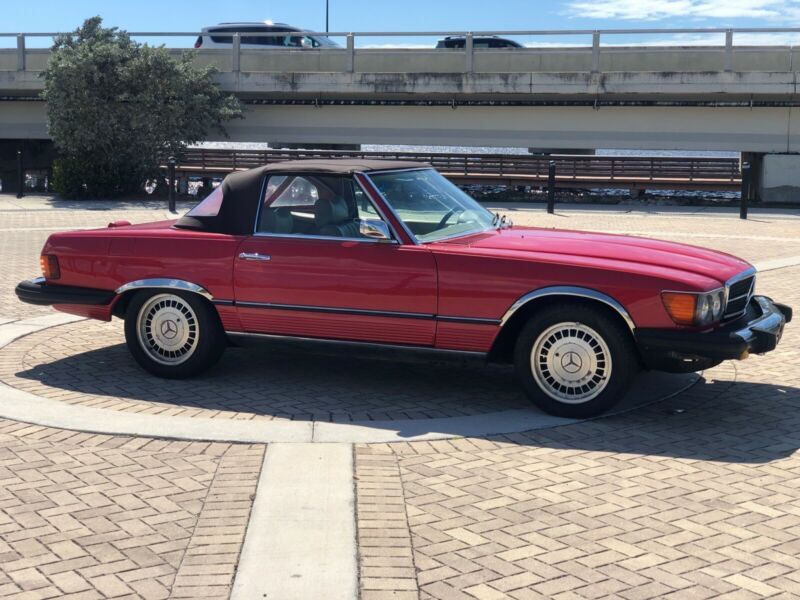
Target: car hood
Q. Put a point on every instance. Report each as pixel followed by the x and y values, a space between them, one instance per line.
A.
pixel 542 244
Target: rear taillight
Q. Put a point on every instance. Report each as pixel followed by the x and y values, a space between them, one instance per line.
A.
pixel 49 264
pixel 199 42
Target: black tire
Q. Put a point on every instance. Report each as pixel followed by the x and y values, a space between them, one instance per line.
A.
pixel 574 366
pixel 193 319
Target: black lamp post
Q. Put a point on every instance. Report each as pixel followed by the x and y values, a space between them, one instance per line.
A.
pixel 551 187
pixel 327 14
pixel 171 162
pixel 20 175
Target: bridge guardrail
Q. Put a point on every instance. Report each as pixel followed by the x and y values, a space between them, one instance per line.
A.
pixel 595 49
pixel 694 172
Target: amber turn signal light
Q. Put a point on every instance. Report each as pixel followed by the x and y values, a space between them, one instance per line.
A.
pixel 50 268
pixel 681 307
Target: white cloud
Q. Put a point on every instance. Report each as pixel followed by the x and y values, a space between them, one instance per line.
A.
pixel 663 9
pixel 677 40
pixel 710 39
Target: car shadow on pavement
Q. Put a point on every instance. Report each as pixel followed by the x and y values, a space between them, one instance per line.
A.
pixel 282 381
pixel 714 420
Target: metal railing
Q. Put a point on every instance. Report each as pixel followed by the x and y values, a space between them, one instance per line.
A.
pixel 596 36
pixel 572 170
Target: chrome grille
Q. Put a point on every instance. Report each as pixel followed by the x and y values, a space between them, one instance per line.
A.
pixel 740 290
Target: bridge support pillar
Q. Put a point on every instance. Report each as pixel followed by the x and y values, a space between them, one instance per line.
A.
pixel 779 178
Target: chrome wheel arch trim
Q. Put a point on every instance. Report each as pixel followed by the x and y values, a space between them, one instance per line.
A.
pixel 165 284
pixel 567 290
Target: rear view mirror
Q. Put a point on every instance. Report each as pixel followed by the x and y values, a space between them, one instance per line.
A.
pixel 375 229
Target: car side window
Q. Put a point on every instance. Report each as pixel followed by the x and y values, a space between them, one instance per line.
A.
pixel 246 39
pixel 315 206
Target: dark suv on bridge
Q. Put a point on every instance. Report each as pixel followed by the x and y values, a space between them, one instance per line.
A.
pixel 490 41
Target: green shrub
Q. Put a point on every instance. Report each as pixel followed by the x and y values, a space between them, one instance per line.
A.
pixel 74 177
pixel 116 108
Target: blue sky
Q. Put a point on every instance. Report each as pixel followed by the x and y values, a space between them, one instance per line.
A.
pixel 410 15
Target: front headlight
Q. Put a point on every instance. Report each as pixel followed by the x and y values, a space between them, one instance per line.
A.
pixel 696 309
pixel 717 304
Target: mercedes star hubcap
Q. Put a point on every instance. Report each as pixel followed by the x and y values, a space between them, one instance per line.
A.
pixel 167 329
pixel 571 362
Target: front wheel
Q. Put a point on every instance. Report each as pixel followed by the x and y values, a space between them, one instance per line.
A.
pixel 574 360
pixel 173 334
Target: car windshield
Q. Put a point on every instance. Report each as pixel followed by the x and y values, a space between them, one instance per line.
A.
pixel 430 206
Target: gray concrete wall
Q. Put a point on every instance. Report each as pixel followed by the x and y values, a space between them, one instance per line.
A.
pixel 23 120
pixel 780 178
pixel 666 74
pixel 662 72
pixel 715 85
pixel 566 127
pixel 557 127
pixel 691 59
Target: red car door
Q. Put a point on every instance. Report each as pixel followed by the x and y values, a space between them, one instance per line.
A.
pixel 307 271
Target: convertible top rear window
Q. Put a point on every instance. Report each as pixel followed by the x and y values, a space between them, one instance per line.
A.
pixel 209 207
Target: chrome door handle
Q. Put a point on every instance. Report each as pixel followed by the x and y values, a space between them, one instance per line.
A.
pixel 254 256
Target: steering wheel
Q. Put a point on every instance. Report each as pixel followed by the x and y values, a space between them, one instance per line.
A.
pixel 449 214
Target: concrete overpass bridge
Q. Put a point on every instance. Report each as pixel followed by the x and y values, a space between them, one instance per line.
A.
pixel 701 97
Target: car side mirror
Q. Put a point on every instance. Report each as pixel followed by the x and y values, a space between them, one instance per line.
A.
pixel 375 229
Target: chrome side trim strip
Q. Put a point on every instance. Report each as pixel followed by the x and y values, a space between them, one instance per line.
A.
pixel 358 311
pixel 172 284
pixel 566 290
pixel 472 320
pixel 355 343
pixel 328 309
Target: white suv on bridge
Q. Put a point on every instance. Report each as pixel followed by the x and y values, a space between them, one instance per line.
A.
pixel 221 36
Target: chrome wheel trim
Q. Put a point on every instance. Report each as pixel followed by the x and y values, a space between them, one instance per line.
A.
pixel 167 329
pixel 571 363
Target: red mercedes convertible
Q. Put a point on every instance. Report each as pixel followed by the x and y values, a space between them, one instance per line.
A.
pixel 393 253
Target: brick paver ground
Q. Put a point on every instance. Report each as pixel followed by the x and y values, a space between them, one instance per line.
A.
pixel 656 503
pixel 90 516
pixel 697 497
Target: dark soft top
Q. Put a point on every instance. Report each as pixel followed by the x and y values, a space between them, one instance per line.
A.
pixel 241 190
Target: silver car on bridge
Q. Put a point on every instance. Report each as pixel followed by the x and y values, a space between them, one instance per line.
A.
pixel 221 36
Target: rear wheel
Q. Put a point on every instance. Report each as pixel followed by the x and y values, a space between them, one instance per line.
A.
pixel 173 334
pixel 575 360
